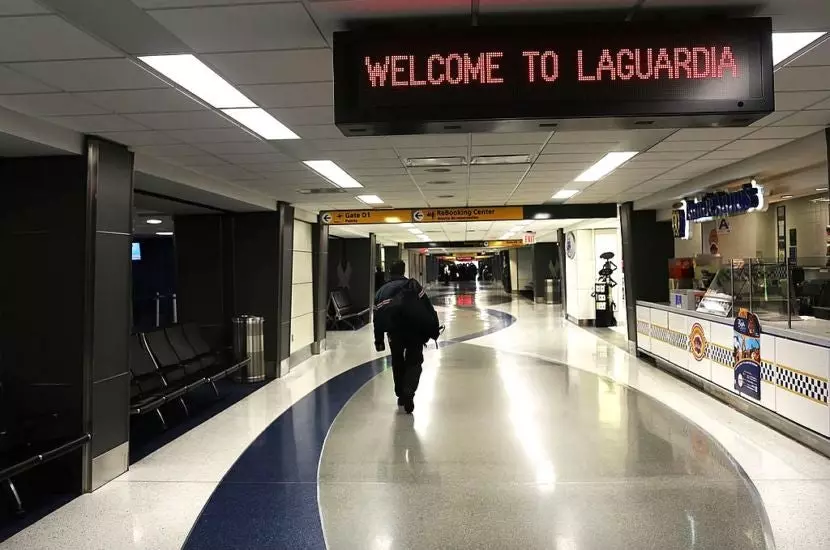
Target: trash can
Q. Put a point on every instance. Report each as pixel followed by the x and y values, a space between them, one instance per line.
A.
pixel 248 341
pixel 549 291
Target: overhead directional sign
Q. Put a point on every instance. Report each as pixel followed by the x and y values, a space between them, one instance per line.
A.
pixel 472 214
pixel 351 217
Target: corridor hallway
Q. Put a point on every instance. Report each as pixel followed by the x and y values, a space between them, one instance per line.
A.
pixel 528 432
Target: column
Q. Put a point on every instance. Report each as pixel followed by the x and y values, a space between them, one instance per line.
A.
pixel 581 274
pixel 373 249
pixel 647 246
pixel 66 228
pixel 320 268
pixel 286 256
pixel 560 239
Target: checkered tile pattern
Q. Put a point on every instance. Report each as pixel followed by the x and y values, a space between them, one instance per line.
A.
pixel 768 371
pixel 803 384
pixel 720 354
pixel 660 333
pixel 679 340
pixel 643 328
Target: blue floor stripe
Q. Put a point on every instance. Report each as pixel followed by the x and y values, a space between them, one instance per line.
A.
pixel 268 499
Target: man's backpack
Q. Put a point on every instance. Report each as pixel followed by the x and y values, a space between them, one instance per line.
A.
pixel 408 312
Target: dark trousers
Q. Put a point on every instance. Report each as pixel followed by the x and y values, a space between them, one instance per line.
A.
pixel 407 358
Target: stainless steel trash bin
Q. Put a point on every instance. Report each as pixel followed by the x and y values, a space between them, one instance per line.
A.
pixel 548 291
pixel 249 341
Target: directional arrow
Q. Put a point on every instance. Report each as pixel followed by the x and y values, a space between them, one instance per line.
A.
pixel 418 216
pixel 326 218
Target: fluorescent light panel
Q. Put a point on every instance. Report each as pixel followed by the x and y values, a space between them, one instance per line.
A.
pixel 371 199
pixel 164 233
pixel 198 79
pixel 154 221
pixel 436 161
pixel 787 44
pixel 261 123
pixel 333 173
pixel 563 194
pixel 605 166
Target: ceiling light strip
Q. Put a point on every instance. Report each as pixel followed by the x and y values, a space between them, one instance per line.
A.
pixel 200 80
pixel 332 172
pixel 605 166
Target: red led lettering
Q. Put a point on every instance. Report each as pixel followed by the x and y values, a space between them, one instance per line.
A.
pixel 472 70
pixel 580 66
pixel 682 60
pixel 434 77
pixel 531 65
pixel 492 65
pixel 606 63
pixel 663 63
pixel 377 72
pixel 454 58
pixel 727 62
pixel 638 60
pixel 625 69
pixel 412 80
pixel 396 69
pixel 701 65
pixel 550 66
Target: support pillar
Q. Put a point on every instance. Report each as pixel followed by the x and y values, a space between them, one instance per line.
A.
pixel 285 256
pixel 320 271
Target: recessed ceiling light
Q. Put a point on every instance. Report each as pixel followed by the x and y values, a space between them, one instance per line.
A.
pixel 198 79
pixel 786 196
pixel 787 44
pixel 501 159
pixel 436 161
pixel 164 233
pixel 606 165
pixel 154 221
pixel 371 199
pixel 392 219
pixel 563 194
pixel 333 173
pixel 821 188
pixel 261 123
pixel 541 216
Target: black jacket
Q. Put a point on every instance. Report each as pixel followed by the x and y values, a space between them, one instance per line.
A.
pixel 389 290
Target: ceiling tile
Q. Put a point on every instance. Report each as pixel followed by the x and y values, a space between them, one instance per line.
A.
pixel 293 66
pixel 430 140
pixel 360 154
pixel 242 148
pixel 432 152
pixel 189 120
pixel 58 104
pixel 822 105
pixel 279 26
pixel 46 37
pixel 683 146
pixel 795 101
pixel 727 155
pixel 588 158
pixel 806 118
pixel 484 150
pixel 781 132
pixel 256 158
pixel 795 79
pixel 304 116
pixel 12 82
pixel 91 74
pixel 772 118
pixel 151 4
pixel 673 155
pixel 199 160
pixel 755 145
pixel 212 135
pixel 319 131
pixel 518 138
pixel 98 123
pixel 579 148
pixel 181 150
pixel 155 100
pixel 146 137
pixel 709 134
pixel 21 7
pixel 308 94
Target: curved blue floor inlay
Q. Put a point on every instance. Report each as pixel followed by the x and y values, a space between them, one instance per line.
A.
pixel 268 499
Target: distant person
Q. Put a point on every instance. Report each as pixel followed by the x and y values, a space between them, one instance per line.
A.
pixel 404 312
pixel 380 278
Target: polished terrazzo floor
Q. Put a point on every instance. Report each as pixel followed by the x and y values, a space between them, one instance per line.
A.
pixel 529 432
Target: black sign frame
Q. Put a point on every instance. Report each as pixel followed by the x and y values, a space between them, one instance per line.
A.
pixel 361 110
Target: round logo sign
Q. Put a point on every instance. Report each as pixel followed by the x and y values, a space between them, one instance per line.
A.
pixel 697 342
pixel 325 217
pixel 570 245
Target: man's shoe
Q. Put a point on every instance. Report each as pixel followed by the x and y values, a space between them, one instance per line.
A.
pixel 400 401
pixel 409 405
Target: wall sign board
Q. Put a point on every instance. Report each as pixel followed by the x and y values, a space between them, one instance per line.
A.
pixel 427 80
pixel 749 198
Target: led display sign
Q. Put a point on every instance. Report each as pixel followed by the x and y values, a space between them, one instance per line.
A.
pixel 749 198
pixel 475 78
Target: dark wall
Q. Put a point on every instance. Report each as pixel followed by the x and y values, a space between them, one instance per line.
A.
pixel 546 266
pixel 154 274
pixel 647 247
pixel 204 272
pixel 391 254
pixel 350 265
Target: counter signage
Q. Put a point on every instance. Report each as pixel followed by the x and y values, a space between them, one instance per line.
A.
pixel 351 217
pixel 747 354
pixel 496 213
pixel 750 198
pixel 391 80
